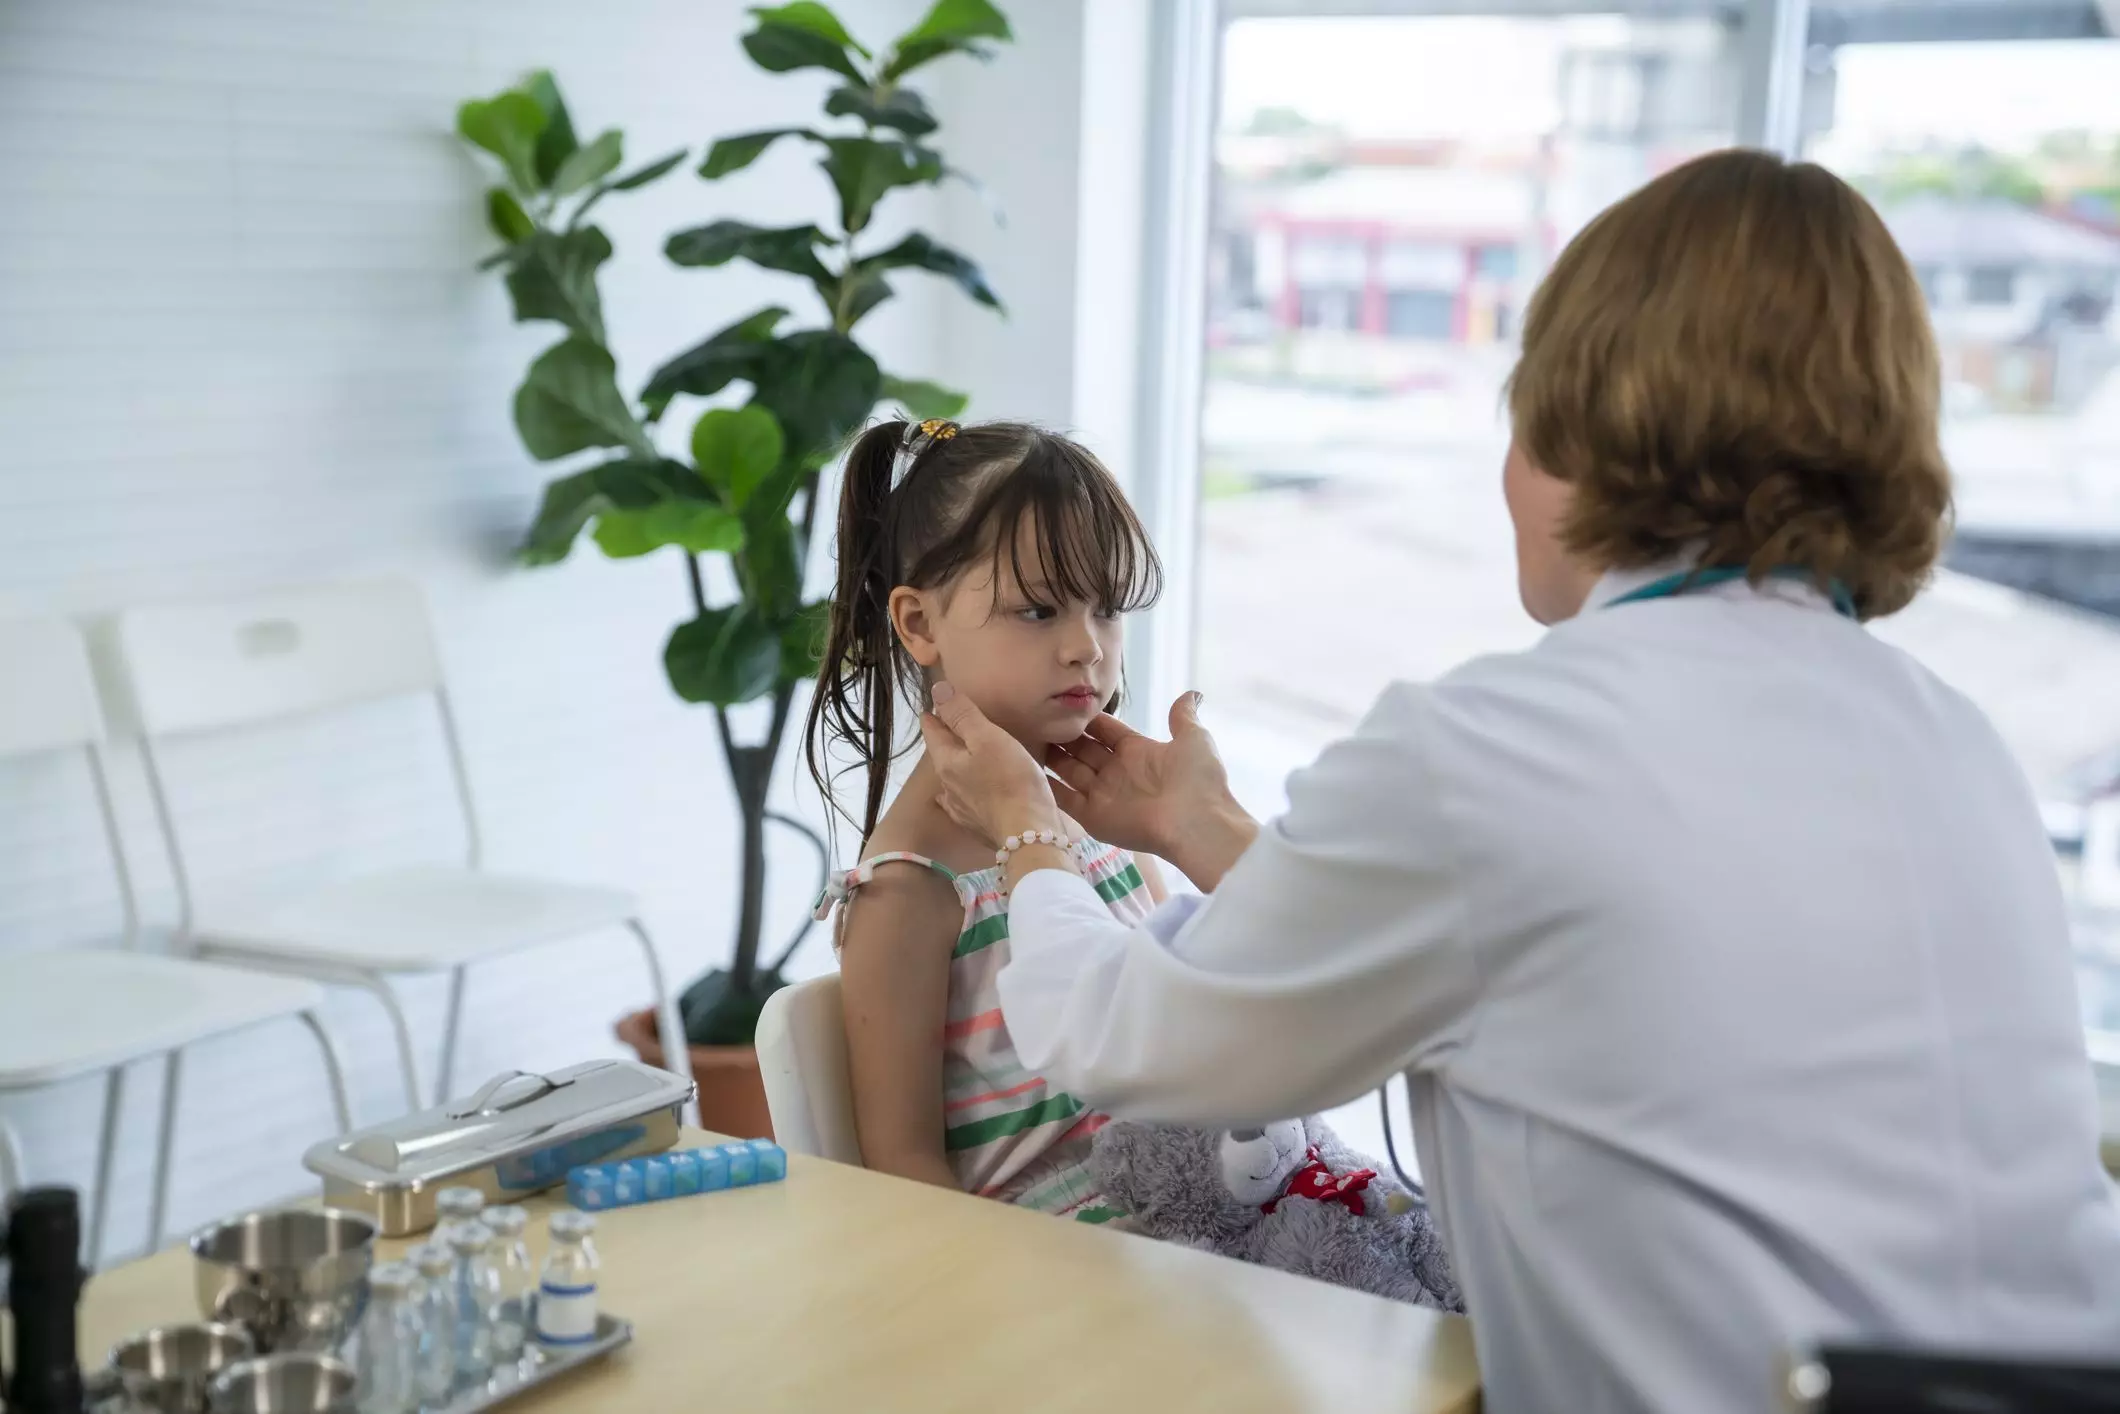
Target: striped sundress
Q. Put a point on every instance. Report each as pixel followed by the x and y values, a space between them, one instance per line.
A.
pixel 1008 1134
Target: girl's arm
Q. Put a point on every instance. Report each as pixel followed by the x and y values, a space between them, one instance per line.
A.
pixel 894 968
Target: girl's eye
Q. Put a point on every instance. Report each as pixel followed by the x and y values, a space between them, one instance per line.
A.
pixel 1108 613
pixel 1035 613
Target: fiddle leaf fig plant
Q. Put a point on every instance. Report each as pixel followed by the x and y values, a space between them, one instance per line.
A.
pixel 740 481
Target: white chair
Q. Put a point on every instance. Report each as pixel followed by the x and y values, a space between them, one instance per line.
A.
pixel 75 1012
pixel 802 1056
pixel 202 668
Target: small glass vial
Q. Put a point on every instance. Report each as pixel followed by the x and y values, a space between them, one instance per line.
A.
pixel 434 1373
pixel 456 1208
pixel 478 1292
pixel 566 1288
pixel 517 1278
pixel 388 1362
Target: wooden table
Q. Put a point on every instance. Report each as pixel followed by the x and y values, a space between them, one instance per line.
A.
pixel 843 1290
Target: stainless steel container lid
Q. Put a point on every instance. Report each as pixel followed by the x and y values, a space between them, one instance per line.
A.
pixel 510 1114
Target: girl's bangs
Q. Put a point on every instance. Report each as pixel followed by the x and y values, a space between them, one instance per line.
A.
pixel 1089 546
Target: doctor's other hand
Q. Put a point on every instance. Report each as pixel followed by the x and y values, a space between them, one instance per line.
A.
pixel 1167 798
pixel 990 784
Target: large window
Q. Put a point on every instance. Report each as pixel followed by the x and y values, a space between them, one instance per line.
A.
pixel 1996 162
pixel 1388 192
pixel 1389 188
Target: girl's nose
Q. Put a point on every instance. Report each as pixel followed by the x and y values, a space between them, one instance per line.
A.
pixel 1081 648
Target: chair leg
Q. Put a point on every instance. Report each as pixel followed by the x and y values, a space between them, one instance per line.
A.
pixel 334 1070
pixel 165 1145
pixel 14 1175
pixel 667 1020
pixel 106 1152
pixel 408 1062
pixel 449 1034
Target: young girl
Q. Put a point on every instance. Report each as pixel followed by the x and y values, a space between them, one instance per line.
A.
pixel 999 558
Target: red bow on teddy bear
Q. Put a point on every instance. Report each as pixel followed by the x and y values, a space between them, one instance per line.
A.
pixel 1320 1184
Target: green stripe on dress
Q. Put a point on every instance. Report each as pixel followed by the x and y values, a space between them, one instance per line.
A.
pixel 981 935
pixel 1099 1214
pixel 985 1131
pixel 1119 885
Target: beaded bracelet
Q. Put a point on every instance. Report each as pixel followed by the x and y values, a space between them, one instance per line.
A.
pixel 1030 837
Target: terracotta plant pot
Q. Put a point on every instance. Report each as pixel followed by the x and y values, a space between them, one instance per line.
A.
pixel 732 1097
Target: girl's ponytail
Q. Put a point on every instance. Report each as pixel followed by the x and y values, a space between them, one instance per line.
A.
pixel 856 698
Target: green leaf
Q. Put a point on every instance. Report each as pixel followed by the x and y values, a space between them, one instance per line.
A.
pixel 923 400
pixel 902 109
pixel 570 401
pixel 568 505
pixel 951 27
pixel 641 176
pixel 808 15
pixel 622 535
pixel 733 154
pixel 627 484
pixel 863 169
pixel 789 248
pixel 770 567
pixel 958 21
pixel 819 385
pixel 554 277
pixel 919 252
pixel 698 526
pixel 707 367
pixel 507 218
pixel 783 48
pixel 589 164
pixel 802 641
pixel 854 296
pixel 735 449
pixel 556 143
pixel 725 656
pixel 636 483
pixel 507 125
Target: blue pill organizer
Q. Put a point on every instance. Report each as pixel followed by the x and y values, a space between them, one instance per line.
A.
pixel 679 1174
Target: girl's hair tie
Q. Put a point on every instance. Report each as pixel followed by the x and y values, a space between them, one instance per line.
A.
pixel 919 436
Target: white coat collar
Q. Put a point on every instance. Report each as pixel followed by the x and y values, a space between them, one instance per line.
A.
pixel 1617 584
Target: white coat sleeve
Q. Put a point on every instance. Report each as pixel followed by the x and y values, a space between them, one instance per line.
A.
pixel 1333 954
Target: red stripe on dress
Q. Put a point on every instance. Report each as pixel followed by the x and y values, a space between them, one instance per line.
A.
pixel 1007 1094
pixel 973 1025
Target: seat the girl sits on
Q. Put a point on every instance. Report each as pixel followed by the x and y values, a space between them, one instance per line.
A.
pixel 999 558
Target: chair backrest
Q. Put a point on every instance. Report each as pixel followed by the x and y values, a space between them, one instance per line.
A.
pixel 50 700
pixel 49 703
pixel 802 1056
pixel 196 667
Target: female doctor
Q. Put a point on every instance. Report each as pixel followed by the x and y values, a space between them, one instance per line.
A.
pixel 1719 942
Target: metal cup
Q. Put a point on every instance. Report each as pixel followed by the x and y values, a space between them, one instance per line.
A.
pixel 298 1382
pixel 294 1278
pixel 167 1369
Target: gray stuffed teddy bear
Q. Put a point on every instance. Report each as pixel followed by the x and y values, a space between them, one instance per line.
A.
pixel 1289 1196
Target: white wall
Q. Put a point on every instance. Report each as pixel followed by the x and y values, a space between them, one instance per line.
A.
pixel 1018 132
pixel 242 344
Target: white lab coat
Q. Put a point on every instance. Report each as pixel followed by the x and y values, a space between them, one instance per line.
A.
pixel 1722 948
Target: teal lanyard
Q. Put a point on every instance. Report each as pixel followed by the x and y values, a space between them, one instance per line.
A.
pixel 1671 586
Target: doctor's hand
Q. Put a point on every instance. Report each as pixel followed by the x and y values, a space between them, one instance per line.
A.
pixel 1167 798
pixel 990 784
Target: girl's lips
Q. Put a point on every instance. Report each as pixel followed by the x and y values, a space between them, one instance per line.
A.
pixel 1077 697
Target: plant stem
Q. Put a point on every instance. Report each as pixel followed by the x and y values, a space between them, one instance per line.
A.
pixel 748 778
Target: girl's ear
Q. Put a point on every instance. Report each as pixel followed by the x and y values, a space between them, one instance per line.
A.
pixel 912 619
